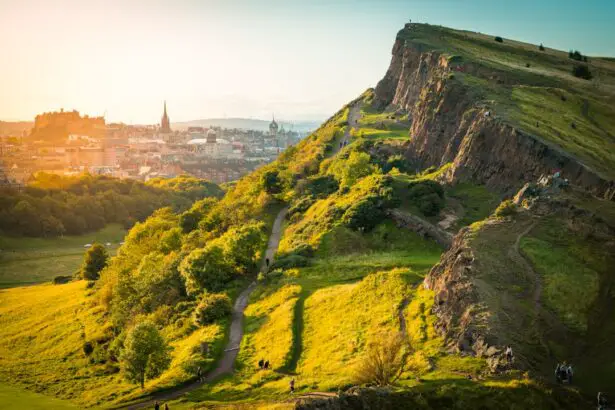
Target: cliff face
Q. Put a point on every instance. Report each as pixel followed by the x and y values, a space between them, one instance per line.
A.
pixel 450 125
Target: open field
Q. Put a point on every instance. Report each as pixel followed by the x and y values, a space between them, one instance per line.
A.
pixel 18 399
pixel 25 261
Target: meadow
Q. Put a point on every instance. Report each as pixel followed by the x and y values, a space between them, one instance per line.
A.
pixel 26 261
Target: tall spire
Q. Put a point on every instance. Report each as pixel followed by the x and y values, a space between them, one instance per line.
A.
pixel 165 123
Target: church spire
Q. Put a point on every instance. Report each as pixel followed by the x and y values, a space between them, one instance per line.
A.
pixel 165 123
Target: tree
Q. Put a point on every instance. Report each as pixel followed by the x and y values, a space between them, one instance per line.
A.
pixel 384 361
pixel 349 171
pixel 499 39
pixel 212 307
pixel 205 269
pixel 541 47
pixel 582 71
pixel 270 181
pixel 145 354
pixel 95 260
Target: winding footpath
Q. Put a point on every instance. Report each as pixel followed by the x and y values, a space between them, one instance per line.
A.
pixel 354 114
pixel 226 363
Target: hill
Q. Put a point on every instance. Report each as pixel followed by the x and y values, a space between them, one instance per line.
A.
pixel 247 124
pixel 395 235
pixel 15 128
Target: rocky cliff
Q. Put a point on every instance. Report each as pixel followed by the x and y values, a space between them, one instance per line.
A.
pixel 451 125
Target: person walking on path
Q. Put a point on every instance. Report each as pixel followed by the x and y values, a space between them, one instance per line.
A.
pixel 261 363
pixel 166 406
pixel 156 406
pixel 292 386
pixel 509 354
pixel 199 373
pixel 267 365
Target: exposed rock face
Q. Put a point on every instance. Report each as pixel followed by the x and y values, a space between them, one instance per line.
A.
pixel 449 126
pixel 422 227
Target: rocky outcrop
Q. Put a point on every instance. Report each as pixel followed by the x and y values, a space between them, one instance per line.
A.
pixel 449 125
pixel 421 227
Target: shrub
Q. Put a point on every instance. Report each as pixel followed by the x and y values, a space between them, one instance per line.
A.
pixel 541 47
pixel 211 308
pixel 499 39
pixel 575 55
pixel 582 71
pixel 506 208
pixel 290 261
pixel 95 260
pixel 88 348
pixel 59 280
pixel 384 361
pixel 428 196
pixel 363 215
pixel 270 182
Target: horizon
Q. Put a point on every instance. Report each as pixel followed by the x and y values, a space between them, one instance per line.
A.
pixel 122 61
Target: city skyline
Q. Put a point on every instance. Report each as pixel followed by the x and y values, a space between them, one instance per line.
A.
pixel 240 59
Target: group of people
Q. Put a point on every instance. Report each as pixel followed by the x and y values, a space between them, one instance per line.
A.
pixel 563 373
pixel 157 406
pixel 263 364
pixel 343 143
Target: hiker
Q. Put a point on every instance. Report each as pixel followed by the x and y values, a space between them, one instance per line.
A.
pixel 261 363
pixel 557 373
pixel 198 373
pixel 509 354
pixel 561 373
pixel 267 262
pixel 292 385
pixel 569 373
pixel 156 406
pixel 602 401
pixel 166 406
pixel 267 365
pixel 341 144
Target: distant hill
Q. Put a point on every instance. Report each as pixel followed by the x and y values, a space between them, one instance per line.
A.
pixel 246 123
pixel 15 128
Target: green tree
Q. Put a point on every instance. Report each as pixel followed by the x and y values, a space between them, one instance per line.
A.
pixel 145 354
pixel 349 171
pixel 95 260
pixel 212 307
pixel 205 269
pixel 270 181
pixel 241 246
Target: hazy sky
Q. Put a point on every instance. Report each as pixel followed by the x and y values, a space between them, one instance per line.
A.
pixel 300 59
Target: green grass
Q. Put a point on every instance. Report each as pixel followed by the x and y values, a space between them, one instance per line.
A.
pixel 476 201
pixel 42 331
pixel 34 260
pixel 18 399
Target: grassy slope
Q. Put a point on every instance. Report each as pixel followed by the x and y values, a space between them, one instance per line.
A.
pixel 35 260
pixel 43 351
pixel 544 99
pixel 14 398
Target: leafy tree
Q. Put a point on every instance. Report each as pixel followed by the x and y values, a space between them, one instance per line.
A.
pixel 541 47
pixel 349 171
pixel 241 246
pixel 270 182
pixel 364 215
pixel 95 260
pixel 499 39
pixel 145 354
pixel 212 307
pixel 205 269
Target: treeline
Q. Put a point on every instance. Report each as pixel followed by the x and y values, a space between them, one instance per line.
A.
pixel 53 205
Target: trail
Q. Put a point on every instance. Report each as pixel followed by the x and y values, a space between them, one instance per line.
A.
pixel 353 122
pixel 226 363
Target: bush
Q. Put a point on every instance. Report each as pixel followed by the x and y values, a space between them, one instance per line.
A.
pixel 428 196
pixel 506 208
pixel 575 55
pixel 363 215
pixel 499 39
pixel 95 260
pixel 582 71
pixel 88 348
pixel 384 361
pixel 541 47
pixel 211 308
pixel 59 280
pixel 290 261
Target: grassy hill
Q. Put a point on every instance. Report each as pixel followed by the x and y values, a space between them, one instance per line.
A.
pixel 363 232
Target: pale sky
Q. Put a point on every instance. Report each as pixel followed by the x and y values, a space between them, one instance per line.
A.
pixel 298 59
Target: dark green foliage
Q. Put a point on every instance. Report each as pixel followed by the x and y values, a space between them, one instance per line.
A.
pixel 301 206
pixel 289 261
pixel 206 269
pixel 396 161
pixel 271 182
pixel 541 47
pixel 53 205
pixel 318 186
pixel 582 71
pixel 576 55
pixel 506 208
pixel 499 39
pixel 95 261
pixel 60 280
pixel 88 348
pixel 428 196
pixel 364 215
pixel 211 308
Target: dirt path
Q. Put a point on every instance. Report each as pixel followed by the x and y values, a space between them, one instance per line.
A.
pixel 226 363
pixel 354 114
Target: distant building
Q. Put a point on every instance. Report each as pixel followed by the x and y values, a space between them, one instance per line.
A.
pixel 273 128
pixel 165 123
